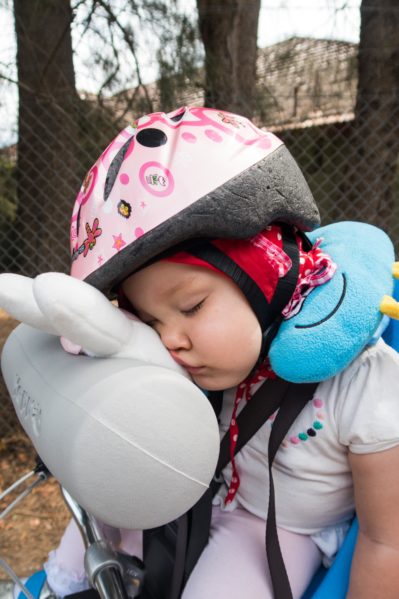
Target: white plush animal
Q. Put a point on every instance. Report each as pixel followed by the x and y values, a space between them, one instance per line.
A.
pixel 125 430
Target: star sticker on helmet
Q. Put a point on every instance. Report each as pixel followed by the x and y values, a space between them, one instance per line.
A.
pixel 118 242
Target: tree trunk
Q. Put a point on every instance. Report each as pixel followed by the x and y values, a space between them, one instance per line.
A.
pixel 229 33
pixel 47 175
pixel 369 185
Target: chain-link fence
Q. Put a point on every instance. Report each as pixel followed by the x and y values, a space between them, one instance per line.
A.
pixel 351 168
pixel 39 179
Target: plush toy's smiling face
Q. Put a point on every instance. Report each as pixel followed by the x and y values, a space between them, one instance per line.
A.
pixel 335 298
pixel 337 319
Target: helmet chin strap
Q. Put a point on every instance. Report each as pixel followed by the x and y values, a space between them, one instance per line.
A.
pixel 285 288
pixel 267 338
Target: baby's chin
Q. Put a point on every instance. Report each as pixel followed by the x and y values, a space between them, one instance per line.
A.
pixel 217 381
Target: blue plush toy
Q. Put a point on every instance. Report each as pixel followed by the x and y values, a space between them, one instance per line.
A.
pixel 338 319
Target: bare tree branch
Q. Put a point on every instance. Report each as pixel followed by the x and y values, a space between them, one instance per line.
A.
pixel 127 36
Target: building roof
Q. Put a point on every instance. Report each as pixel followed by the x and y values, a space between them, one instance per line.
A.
pixel 305 82
pixel 302 82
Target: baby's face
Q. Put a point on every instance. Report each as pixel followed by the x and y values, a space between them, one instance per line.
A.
pixel 202 318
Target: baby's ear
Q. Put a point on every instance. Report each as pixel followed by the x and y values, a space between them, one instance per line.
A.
pixel 17 299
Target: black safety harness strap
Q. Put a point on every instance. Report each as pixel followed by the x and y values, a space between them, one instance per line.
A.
pixel 290 399
pixel 261 406
pixel 274 394
pixel 258 409
pixel 293 403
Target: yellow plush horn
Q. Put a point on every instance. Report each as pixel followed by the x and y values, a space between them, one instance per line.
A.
pixel 390 307
pixel 395 270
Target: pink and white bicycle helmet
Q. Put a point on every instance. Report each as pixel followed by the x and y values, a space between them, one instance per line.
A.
pixel 169 178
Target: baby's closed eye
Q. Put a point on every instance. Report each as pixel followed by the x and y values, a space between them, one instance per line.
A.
pixel 193 309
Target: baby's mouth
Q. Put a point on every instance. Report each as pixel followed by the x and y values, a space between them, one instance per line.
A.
pixel 194 369
pixel 185 365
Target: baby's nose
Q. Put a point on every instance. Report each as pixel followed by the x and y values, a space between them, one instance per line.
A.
pixel 175 339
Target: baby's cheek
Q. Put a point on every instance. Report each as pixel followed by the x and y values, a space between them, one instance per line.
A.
pixel 248 338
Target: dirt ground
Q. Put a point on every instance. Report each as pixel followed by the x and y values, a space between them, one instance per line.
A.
pixel 36 524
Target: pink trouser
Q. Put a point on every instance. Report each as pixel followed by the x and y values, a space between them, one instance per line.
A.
pixel 232 565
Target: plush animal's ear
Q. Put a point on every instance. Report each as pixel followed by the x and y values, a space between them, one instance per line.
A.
pixel 81 313
pixel 84 316
pixel 16 298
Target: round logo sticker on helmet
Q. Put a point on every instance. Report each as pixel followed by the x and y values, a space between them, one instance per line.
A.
pixel 156 179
